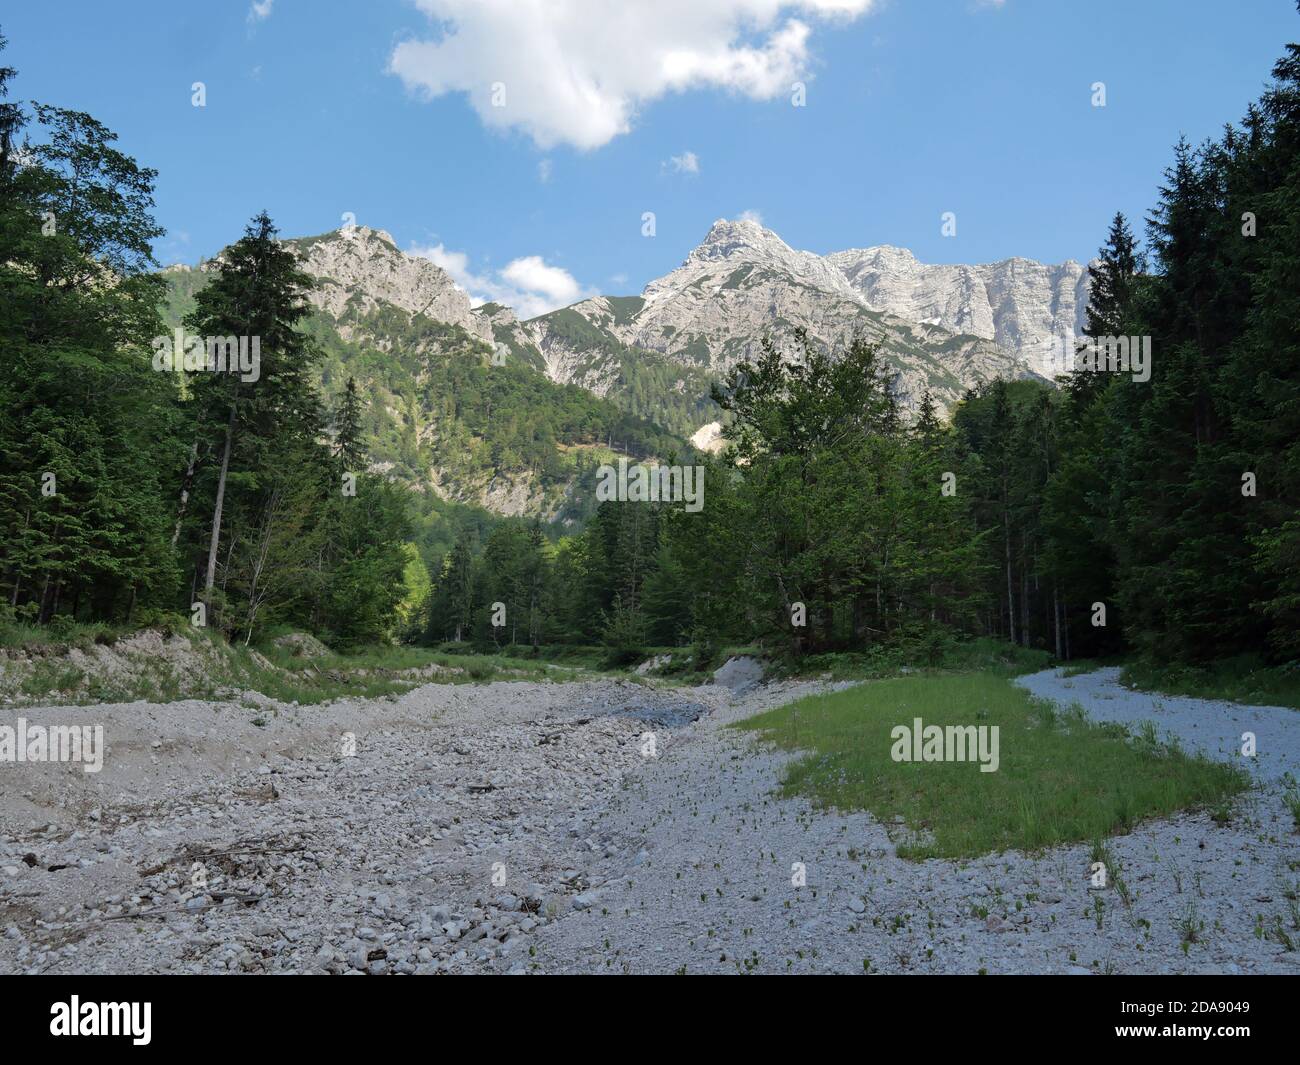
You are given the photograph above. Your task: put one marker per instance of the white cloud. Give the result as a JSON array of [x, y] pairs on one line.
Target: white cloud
[[576, 71], [686, 163], [544, 171], [750, 216], [528, 285], [259, 10]]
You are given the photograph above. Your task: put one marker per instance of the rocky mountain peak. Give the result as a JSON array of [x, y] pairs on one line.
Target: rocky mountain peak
[[363, 234], [358, 268], [729, 235], [732, 244]]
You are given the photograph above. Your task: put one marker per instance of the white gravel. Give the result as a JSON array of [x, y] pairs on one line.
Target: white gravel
[[522, 827], [1212, 726]]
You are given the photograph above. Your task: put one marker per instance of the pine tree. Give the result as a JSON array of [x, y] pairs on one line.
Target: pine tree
[[86, 426], [258, 298], [1111, 280], [348, 445]]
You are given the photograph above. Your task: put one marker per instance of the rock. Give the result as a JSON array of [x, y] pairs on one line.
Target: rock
[[301, 645], [586, 900], [651, 664], [994, 320], [739, 674]]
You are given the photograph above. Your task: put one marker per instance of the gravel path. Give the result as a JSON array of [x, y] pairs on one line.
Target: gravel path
[[1208, 725], [527, 827]]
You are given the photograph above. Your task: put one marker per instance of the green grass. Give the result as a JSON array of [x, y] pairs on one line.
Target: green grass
[[1243, 679], [49, 675], [918, 656], [576, 656], [1061, 779], [278, 672], [372, 672], [61, 633]]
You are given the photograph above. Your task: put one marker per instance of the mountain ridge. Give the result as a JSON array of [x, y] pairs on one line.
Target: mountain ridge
[[654, 355], [742, 283]]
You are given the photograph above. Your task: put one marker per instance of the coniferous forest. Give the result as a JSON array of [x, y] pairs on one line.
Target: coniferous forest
[[1096, 515], [1091, 517], [447, 529], [129, 493]]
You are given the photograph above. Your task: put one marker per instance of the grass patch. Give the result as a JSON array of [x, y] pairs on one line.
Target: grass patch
[[60, 634], [51, 675], [282, 673], [1243, 679], [928, 656], [374, 671], [1061, 778]]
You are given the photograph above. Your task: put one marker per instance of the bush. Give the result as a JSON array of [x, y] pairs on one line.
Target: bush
[[704, 648], [624, 634]]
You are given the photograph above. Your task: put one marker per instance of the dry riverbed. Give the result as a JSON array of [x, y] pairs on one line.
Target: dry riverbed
[[522, 827]]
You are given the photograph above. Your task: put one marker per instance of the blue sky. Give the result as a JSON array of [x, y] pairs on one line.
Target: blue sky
[[914, 107]]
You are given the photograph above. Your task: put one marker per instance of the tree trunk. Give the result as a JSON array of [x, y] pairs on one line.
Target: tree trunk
[[1025, 613], [185, 490], [1011, 598], [1056, 620], [215, 539], [45, 598]]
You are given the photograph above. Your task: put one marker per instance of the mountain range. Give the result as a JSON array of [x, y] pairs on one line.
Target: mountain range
[[942, 327], [405, 329]]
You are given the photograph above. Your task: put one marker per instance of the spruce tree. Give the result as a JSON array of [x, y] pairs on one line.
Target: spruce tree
[[348, 445], [257, 297]]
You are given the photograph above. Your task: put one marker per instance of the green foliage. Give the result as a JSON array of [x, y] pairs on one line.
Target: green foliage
[[1243, 678], [1060, 779], [836, 531], [645, 383], [88, 432], [129, 487], [460, 412], [624, 633], [1172, 501], [834, 509], [349, 446]]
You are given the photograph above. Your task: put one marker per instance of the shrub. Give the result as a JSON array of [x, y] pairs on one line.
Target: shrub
[[623, 633]]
